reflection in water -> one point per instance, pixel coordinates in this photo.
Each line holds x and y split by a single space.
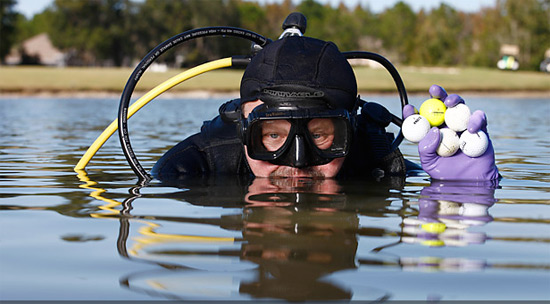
447 209
295 233
81 238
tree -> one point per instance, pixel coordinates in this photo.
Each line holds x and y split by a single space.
156 21
397 29
253 17
39 23
275 15
365 21
8 18
327 23
342 29
367 31
93 29
316 15
438 37
485 38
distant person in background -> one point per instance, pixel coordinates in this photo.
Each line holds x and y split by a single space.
508 62
545 64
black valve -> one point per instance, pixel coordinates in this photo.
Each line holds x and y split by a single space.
295 20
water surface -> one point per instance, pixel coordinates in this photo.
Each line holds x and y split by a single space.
98 236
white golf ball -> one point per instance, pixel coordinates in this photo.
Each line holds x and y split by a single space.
449 144
415 127
457 117
474 144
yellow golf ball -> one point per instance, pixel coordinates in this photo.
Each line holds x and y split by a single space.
434 111
435 228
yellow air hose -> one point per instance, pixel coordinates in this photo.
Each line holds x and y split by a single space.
145 99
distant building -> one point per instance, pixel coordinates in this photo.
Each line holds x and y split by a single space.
37 50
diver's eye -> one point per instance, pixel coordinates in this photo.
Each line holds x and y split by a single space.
274 133
321 131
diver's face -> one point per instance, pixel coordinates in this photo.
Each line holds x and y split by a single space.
274 135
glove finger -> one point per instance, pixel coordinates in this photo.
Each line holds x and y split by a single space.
438 92
452 100
427 147
409 110
478 121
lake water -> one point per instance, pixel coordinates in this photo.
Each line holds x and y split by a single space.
100 237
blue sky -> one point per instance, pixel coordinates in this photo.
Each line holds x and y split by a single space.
31 7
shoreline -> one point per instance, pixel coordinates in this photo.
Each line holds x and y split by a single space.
205 94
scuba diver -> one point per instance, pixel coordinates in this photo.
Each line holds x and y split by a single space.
297 116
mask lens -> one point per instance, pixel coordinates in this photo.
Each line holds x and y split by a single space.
268 138
274 133
321 131
329 135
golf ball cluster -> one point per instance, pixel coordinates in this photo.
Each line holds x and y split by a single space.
453 135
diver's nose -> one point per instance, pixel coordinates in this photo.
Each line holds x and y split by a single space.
299 146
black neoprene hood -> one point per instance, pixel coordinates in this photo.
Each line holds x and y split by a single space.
300 71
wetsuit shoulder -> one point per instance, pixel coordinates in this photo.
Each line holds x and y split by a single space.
185 158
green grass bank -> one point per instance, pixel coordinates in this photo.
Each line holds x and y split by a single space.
38 80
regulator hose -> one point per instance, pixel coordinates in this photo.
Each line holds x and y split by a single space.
145 99
398 82
147 61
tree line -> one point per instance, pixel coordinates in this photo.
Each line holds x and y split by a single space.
119 32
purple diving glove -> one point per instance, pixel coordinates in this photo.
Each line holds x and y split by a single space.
459 166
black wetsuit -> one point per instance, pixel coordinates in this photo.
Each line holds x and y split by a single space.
217 149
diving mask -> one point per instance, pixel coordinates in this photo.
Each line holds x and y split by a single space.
299 137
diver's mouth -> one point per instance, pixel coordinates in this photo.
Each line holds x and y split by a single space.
296 183
305 185
299 173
